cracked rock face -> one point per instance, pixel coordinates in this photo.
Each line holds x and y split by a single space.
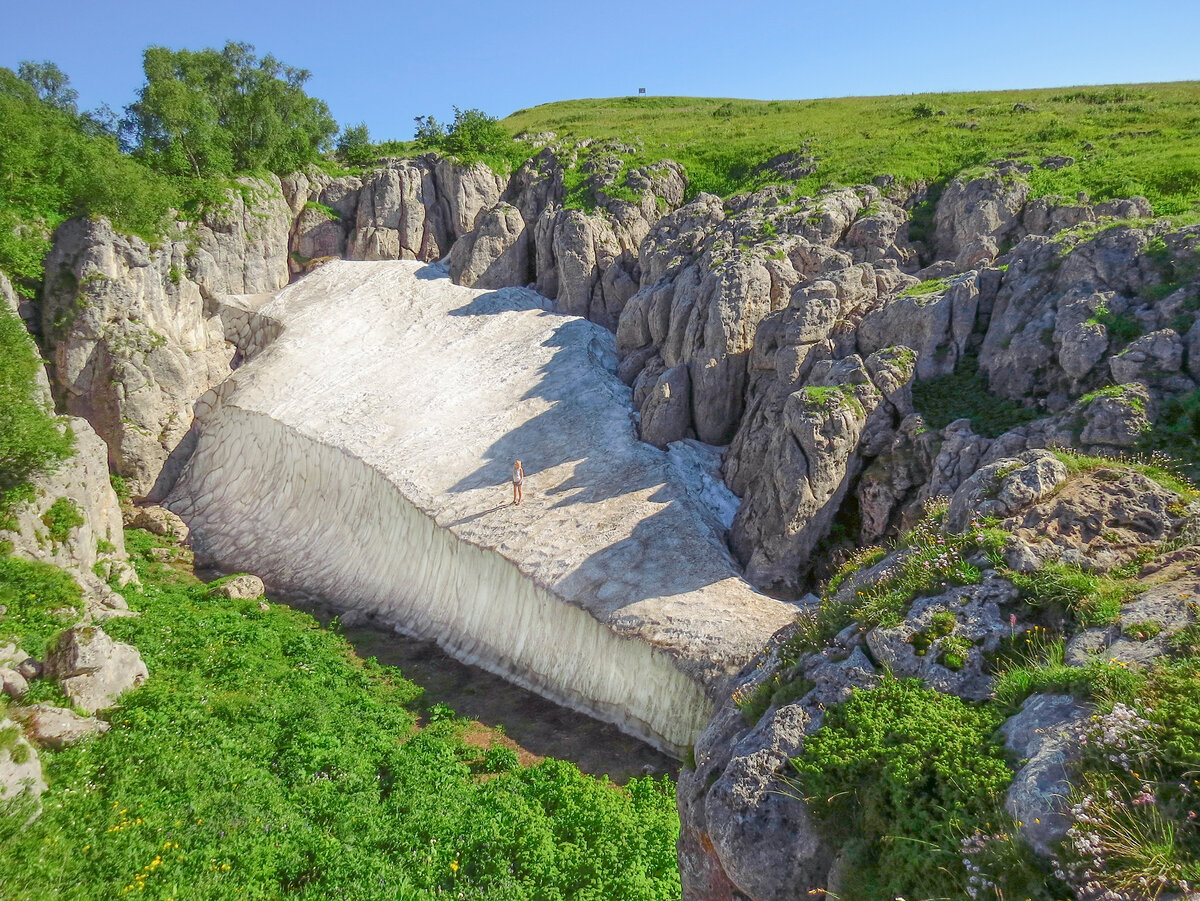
609 588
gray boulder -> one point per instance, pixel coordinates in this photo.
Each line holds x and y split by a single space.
495 253
987 207
243 587
1043 737
56 727
20 769
92 668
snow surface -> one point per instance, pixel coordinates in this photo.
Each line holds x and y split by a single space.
363 455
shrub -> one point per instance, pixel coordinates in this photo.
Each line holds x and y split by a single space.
900 771
63 516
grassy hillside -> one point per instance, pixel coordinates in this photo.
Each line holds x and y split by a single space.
1126 139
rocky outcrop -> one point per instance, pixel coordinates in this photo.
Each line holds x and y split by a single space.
801 472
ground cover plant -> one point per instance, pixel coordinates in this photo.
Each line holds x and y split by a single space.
1125 139
263 760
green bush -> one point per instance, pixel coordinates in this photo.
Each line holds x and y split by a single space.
899 773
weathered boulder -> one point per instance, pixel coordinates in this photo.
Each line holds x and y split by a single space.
92 668
20 769
937 326
1099 520
1043 737
1149 358
1004 487
495 253
665 411
948 658
243 587
56 727
986 207
158 521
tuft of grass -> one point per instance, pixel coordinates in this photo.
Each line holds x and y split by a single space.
62 516
929 286
1092 599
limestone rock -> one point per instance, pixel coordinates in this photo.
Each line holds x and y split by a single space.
13 684
665 412
1042 735
158 521
244 587
131 340
937 326
986 207
20 769
495 253
1149 358
92 668
56 727
1099 521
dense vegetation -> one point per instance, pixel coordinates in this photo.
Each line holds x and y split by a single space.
1127 139
31 439
263 759
199 119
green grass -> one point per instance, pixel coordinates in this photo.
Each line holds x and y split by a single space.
929 286
1141 137
42 600
263 760
964 394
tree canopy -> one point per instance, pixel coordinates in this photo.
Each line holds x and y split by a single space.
207 112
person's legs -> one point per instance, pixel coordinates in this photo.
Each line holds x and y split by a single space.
519 493
516 493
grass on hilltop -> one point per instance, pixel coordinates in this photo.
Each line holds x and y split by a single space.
1127 140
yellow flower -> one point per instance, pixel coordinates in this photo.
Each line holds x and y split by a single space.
454 866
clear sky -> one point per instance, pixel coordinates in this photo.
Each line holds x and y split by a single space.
385 62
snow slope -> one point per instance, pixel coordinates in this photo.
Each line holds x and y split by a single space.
364 453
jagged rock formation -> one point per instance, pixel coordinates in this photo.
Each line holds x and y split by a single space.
737 802
608 589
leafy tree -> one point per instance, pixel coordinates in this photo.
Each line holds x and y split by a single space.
50 82
208 112
430 133
52 167
354 145
475 132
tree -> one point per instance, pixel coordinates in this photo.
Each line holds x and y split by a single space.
354 145
211 112
50 82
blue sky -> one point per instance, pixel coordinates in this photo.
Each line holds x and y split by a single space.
384 63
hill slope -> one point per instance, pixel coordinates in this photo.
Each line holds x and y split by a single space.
1126 139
